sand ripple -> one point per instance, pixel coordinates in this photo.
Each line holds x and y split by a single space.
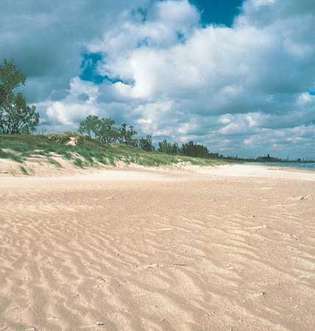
157 255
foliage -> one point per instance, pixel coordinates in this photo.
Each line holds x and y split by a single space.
90 126
16 117
63 138
194 150
146 144
88 152
169 148
188 149
127 135
105 131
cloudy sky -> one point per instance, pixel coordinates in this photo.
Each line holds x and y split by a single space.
236 75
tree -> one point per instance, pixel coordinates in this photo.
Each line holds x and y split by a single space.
145 143
167 147
127 135
102 129
107 132
194 150
16 117
90 126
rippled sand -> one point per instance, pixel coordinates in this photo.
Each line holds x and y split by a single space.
150 251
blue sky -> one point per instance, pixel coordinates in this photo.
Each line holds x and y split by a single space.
236 76
218 11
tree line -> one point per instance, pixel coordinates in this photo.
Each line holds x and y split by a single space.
17 117
105 131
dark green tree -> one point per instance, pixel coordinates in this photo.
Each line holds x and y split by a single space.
107 132
16 117
101 129
90 126
194 150
168 147
146 144
127 135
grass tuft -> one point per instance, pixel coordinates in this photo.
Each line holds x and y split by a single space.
24 171
87 152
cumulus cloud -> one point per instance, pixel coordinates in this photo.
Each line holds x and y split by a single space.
242 89
46 38
216 63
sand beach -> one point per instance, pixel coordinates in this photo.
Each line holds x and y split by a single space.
223 248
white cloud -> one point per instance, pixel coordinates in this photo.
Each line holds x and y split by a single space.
241 88
45 38
68 113
215 64
80 102
305 99
259 3
242 123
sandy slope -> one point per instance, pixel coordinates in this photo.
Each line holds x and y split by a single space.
231 249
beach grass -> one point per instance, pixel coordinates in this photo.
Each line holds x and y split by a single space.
87 152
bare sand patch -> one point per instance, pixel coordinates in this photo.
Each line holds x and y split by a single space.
192 249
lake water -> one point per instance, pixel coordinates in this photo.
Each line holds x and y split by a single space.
298 165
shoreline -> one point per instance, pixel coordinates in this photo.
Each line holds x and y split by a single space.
242 170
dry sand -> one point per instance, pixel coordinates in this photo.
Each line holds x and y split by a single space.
232 248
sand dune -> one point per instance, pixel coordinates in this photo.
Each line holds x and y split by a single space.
134 250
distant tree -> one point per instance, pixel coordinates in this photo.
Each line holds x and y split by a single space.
168 148
107 132
146 144
127 135
101 129
16 117
194 150
90 126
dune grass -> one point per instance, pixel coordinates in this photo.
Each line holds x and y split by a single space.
87 153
